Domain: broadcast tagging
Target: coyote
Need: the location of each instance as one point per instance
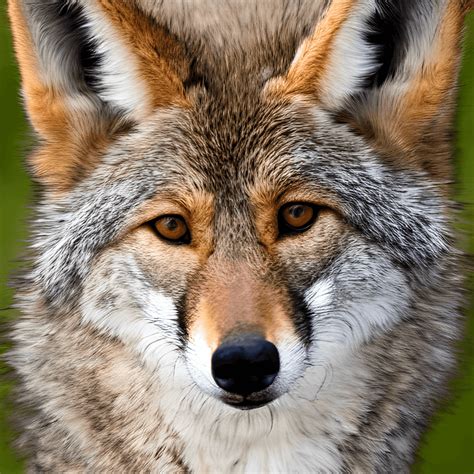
(243, 257)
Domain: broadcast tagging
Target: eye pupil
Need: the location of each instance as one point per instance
(172, 224)
(297, 211)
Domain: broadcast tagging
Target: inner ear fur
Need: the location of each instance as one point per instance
(390, 70)
(67, 52)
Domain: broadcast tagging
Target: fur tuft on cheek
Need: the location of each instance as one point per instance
(366, 297)
(119, 303)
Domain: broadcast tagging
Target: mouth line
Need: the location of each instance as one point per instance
(247, 404)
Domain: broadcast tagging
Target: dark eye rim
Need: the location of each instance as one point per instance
(285, 229)
(185, 240)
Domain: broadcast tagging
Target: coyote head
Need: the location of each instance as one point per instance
(248, 214)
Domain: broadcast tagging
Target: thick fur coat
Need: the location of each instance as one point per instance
(221, 115)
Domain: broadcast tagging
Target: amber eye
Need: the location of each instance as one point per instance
(172, 228)
(296, 217)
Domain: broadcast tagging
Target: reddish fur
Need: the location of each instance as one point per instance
(74, 139)
(420, 120)
(235, 300)
(163, 64)
(307, 72)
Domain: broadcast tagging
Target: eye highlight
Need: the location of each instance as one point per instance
(296, 217)
(172, 228)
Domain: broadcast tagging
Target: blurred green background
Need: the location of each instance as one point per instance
(447, 448)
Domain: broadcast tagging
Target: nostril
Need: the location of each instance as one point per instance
(245, 365)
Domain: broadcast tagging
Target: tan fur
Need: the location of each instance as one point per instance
(419, 120)
(308, 69)
(43, 106)
(197, 209)
(73, 134)
(234, 301)
(104, 368)
(267, 204)
(73, 154)
(114, 348)
(405, 123)
(72, 127)
(162, 61)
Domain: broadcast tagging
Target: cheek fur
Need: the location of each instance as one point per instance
(365, 297)
(319, 296)
(119, 302)
(164, 266)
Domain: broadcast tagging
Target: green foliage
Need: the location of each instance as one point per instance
(447, 448)
(14, 193)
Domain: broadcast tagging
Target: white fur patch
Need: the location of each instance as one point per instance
(199, 354)
(423, 34)
(198, 357)
(320, 295)
(373, 296)
(352, 59)
(121, 83)
(140, 316)
(288, 435)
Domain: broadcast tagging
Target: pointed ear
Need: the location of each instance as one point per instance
(89, 67)
(389, 68)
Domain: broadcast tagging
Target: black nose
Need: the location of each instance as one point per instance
(245, 364)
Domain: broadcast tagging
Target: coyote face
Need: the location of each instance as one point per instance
(243, 278)
(245, 213)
